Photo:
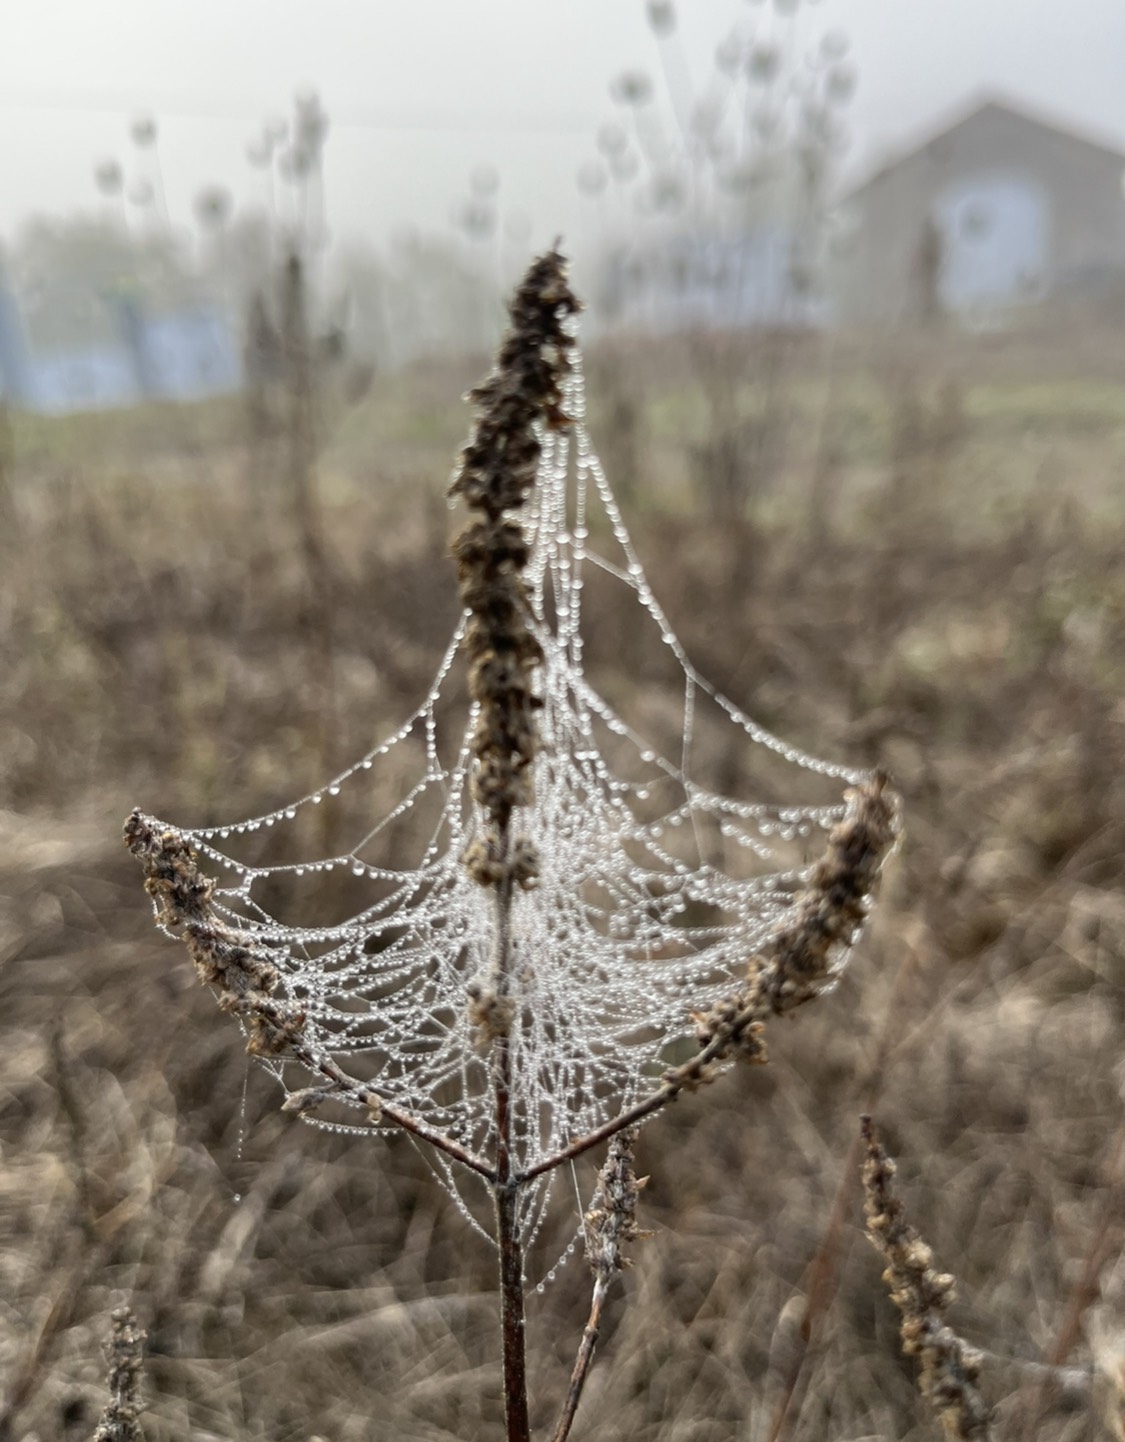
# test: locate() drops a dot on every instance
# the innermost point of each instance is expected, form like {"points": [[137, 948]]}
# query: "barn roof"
{"points": [[980, 105]]}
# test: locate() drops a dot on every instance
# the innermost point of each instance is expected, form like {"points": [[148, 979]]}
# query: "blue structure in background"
{"points": [[748, 280], [16, 382], [188, 356], [996, 240]]}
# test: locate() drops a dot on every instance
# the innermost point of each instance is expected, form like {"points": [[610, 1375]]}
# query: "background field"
{"points": [[909, 556]]}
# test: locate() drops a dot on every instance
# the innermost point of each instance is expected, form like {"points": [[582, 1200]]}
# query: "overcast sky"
{"points": [[421, 92]]}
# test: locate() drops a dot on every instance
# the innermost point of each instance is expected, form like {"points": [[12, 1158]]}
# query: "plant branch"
{"points": [[949, 1366], [582, 1362], [608, 1225], [119, 1419], [512, 1325], [239, 967], [497, 471]]}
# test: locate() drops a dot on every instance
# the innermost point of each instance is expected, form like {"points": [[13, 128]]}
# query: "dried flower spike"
{"points": [[612, 1218], [497, 471], [949, 1366], [224, 957], [119, 1420], [803, 956]]}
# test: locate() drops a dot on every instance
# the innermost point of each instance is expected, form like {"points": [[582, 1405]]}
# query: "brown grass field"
{"points": [[925, 569]]}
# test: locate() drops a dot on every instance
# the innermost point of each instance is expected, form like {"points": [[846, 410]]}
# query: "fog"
{"points": [[422, 95]]}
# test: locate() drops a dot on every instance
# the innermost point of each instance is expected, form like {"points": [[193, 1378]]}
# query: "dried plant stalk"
{"points": [[610, 1222], [949, 1366], [119, 1422], [497, 471]]}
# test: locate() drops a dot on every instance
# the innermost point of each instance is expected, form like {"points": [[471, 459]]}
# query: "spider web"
{"points": [[654, 889]]}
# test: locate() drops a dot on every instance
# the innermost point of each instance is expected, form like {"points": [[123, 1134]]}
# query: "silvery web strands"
{"points": [[654, 891]]}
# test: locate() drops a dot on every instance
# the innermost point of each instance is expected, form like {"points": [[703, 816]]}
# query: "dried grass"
{"points": [[983, 662]]}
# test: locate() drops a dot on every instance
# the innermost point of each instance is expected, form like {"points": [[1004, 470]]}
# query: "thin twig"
{"points": [[119, 1420], [387, 1111], [582, 1362], [512, 1325], [608, 1225]]}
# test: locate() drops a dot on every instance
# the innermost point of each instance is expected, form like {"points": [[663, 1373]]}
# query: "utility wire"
{"points": [[343, 117]]}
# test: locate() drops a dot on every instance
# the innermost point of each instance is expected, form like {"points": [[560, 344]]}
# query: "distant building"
{"points": [[998, 210], [187, 356]]}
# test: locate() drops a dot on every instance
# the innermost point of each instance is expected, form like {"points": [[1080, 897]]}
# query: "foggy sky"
{"points": [[421, 92]]}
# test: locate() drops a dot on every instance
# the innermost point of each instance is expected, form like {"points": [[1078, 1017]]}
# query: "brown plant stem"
{"points": [[497, 471], [949, 1368], [505, 1188], [119, 1420], [582, 1362], [608, 1225]]}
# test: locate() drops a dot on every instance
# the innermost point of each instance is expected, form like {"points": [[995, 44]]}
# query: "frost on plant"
{"points": [[640, 895]]}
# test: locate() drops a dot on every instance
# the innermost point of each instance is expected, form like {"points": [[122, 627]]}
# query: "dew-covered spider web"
{"points": [[654, 889]]}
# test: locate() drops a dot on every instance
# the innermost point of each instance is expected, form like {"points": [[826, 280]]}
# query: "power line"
{"points": [[345, 117]]}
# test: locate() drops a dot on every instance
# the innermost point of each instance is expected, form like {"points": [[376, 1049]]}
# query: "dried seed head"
{"points": [[612, 1218], [224, 957], [119, 1420], [949, 1366], [306, 1100], [496, 473], [490, 1013], [804, 954]]}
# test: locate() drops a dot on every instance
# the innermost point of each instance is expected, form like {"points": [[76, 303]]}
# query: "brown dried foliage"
{"points": [[611, 1220], [801, 956], [497, 471], [950, 1368], [119, 1421], [966, 632], [223, 957]]}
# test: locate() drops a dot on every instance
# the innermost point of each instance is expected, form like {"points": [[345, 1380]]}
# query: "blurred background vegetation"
{"points": [[896, 540]]}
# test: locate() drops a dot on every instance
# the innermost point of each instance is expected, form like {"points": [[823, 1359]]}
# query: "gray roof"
{"points": [[965, 114]]}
